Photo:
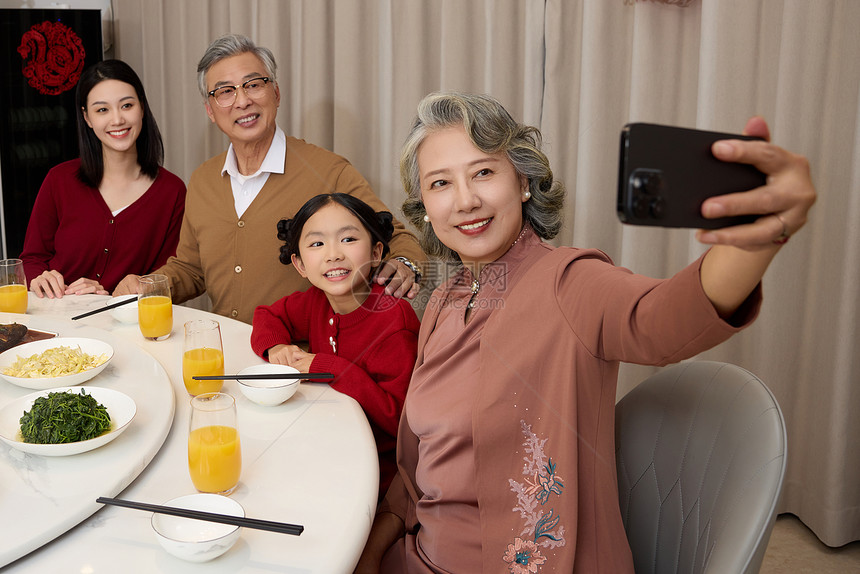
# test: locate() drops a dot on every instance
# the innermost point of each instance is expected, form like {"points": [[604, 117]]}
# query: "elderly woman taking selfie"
{"points": [[506, 444]]}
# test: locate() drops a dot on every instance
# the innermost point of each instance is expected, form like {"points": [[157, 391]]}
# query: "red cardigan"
{"points": [[72, 229], [375, 349]]}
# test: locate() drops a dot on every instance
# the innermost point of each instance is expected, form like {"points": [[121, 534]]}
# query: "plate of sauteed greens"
{"points": [[65, 421]]}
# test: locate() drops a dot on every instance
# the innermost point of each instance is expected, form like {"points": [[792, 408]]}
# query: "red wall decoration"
{"points": [[53, 57]]}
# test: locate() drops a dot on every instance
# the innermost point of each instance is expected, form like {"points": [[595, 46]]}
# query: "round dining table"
{"points": [[310, 461]]}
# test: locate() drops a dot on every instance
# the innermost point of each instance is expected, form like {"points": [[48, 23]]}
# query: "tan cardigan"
{"points": [[235, 259], [543, 420]]}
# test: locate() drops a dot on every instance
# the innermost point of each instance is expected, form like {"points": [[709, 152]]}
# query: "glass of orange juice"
{"points": [[214, 453], [154, 307], [13, 286], [202, 354]]}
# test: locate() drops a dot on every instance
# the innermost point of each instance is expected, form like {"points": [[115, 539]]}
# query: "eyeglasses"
{"points": [[226, 95]]}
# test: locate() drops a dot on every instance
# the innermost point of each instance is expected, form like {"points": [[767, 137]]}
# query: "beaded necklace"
{"points": [[476, 285]]}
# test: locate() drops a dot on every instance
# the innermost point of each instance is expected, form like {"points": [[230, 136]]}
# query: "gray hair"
{"points": [[233, 45], [491, 129]]}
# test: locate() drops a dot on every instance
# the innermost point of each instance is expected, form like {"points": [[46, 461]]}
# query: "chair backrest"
{"points": [[700, 449]]}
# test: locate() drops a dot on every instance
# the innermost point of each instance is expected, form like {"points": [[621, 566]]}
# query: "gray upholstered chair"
{"points": [[700, 449]]}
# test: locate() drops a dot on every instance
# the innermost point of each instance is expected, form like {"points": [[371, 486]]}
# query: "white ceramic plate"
{"points": [[120, 407], [89, 346]]}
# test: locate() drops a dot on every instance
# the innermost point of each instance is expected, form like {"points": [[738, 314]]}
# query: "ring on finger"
{"points": [[783, 236]]}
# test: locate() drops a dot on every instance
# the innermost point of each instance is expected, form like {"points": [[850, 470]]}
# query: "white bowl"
{"points": [[268, 393], [128, 312], [197, 540], [120, 407], [89, 346]]}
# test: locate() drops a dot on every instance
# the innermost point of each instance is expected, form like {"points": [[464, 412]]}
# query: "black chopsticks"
{"points": [[106, 308], [264, 377], [282, 527]]}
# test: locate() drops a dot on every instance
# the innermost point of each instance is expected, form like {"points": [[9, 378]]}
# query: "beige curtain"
{"points": [[352, 71]]}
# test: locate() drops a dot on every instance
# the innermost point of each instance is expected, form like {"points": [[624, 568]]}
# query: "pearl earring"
{"points": [[426, 218], [527, 195]]}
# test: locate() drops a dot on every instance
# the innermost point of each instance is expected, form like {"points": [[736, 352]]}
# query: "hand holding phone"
{"points": [[666, 173]]}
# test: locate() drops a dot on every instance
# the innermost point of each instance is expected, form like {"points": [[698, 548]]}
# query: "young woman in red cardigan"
{"points": [[366, 338], [113, 211]]}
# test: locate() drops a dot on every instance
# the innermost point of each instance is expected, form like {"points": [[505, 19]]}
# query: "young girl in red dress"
{"points": [[366, 338]]}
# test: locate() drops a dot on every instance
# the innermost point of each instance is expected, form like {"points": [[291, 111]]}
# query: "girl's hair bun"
{"points": [[285, 231], [386, 225]]}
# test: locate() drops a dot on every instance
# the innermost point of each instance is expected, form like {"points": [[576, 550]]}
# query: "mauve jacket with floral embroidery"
{"points": [[543, 421]]}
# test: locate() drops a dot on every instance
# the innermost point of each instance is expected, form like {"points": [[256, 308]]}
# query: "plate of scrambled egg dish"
{"points": [[57, 362], [65, 421]]}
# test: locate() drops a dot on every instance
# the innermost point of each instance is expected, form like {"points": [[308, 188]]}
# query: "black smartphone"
{"points": [[666, 173]]}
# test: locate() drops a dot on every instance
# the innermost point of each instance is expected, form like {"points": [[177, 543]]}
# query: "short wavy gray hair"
{"points": [[233, 45], [491, 129]]}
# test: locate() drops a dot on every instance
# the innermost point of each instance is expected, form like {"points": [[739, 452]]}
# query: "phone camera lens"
{"points": [[651, 185], [640, 206], [658, 208], [644, 199]]}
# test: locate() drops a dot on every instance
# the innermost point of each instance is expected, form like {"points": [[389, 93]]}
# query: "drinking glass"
{"points": [[202, 355], [214, 453], [154, 308], [13, 286]]}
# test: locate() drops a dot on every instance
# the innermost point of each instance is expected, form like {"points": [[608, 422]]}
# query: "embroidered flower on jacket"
{"points": [[523, 557], [541, 525], [542, 485]]}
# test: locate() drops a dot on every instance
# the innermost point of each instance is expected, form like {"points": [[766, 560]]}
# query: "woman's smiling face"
{"points": [[473, 199], [115, 115]]}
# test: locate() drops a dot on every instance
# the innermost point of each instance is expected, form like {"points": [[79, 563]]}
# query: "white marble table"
{"points": [[61, 491], [310, 461]]}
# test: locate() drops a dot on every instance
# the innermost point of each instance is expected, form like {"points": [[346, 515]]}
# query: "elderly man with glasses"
{"points": [[228, 244]]}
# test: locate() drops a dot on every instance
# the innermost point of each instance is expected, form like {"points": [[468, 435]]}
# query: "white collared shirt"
{"points": [[246, 187]]}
